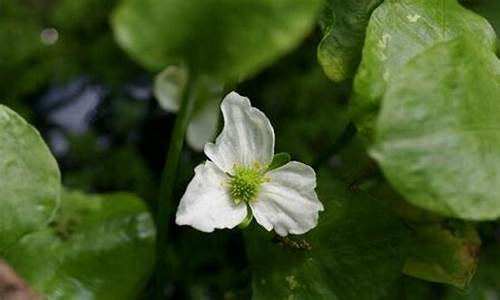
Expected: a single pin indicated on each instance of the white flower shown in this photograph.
(202, 127)
(236, 179)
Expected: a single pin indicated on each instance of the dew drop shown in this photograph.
(49, 36)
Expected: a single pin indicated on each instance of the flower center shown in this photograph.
(245, 183)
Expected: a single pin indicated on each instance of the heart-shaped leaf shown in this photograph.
(29, 180)
(437, 136)
(88, 247)
(223, 38)
(398, 31)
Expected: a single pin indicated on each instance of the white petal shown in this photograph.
(206, 205)
(288, 202)
(247, 137)
(168, 87)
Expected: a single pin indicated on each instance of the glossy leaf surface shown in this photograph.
(344, 25)
(399, 31)
(98, 247)
(223, 38)
(437, 139)
(30, 179)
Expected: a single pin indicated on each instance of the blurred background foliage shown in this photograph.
(61, 68)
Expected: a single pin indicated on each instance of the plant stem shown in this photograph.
(346, 136)
(165, 201)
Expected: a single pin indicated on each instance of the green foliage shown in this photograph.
(445, 253)
(397, 32)
(223, 38)
(30, 179)
(97, 247)
(406, 139)
(344, 24)
(357, 250)
(432, 150)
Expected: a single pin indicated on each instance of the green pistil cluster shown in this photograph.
(245, 184)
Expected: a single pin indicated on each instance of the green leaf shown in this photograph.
(398, 31)
(98, 247)
(223, 38)
(358, 248)
(437, 136)
(30, 179)
(279, 159)
(445, 254)
(344, 25)
(91, 247)
(444, 251)
(485, 285)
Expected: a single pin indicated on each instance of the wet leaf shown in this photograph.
(98, 247)
(344, 25)
(399, 31)
(30, 179)
(437, 138)
(91, 247)
(222, 38)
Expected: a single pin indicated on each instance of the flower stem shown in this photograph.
(165, 201)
